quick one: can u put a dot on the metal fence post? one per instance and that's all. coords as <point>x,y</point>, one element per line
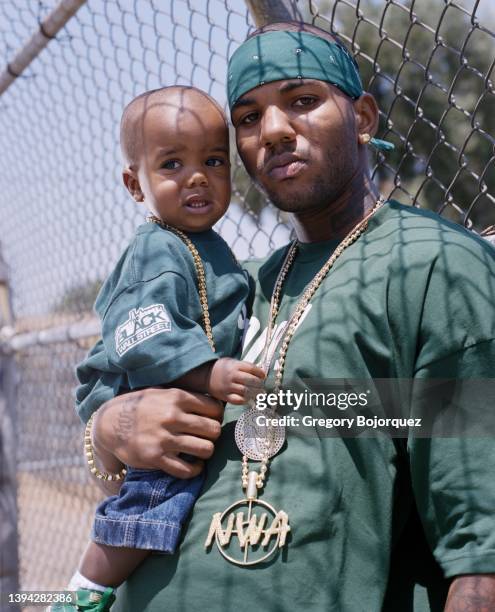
<point>9,556</point>
<point>47,30</point>
<point>271,11</point>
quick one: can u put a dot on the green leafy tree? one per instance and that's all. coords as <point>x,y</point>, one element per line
<point>429,66</point>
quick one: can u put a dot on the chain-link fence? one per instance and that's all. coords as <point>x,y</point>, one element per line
<point>65,216</point>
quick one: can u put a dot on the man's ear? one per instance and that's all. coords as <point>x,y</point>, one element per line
<point>131,182</point>
<point>367,116</point>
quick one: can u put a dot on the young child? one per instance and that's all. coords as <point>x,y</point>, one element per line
<point>157,328</point>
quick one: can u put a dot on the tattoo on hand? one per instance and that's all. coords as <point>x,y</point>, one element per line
<point>127,418</point>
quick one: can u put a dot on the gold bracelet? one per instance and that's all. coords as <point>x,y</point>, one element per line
<point>90,458</point>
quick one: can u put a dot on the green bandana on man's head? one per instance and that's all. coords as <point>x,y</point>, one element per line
<point>282,55</point>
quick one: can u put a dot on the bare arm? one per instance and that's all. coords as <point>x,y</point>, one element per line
<point>473,593</point>
<point>107,461</point>
<point>226,379</point>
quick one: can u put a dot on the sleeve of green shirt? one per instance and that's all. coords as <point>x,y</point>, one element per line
<point>150,331</point>
<point>454,477</point>
<point>453,471</point>
<point>99,382</point>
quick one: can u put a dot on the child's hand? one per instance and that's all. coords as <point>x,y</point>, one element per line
<point>235,381</point>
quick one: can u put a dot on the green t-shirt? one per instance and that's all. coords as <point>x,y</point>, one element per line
<point>152,322</point>
<point>413,297</point>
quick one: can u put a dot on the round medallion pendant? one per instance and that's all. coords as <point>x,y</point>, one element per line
<point>249,531</point>
<point>256,439</point>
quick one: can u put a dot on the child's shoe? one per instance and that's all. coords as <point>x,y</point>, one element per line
<point>88,600</point>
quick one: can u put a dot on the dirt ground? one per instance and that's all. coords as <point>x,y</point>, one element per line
<point>54,524</point>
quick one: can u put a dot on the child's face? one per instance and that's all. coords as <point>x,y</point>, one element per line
<point>184,172</point>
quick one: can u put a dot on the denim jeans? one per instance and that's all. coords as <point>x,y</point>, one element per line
<point>148,512</point>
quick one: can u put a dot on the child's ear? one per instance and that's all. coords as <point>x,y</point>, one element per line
<point>132,185</point>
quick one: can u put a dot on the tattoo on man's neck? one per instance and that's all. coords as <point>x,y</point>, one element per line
<point>351,211</point>
<point>344,218</point>
<point>127,417</point>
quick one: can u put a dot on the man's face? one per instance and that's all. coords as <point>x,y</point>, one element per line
<point>298,141</point>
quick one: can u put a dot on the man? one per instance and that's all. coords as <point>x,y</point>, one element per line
<point>406,295</point>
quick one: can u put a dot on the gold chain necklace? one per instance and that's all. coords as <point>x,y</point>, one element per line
<point>308,293</point>
<point>200,273</point>
<point>262,446</point>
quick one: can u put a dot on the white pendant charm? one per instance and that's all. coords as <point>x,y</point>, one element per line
<point>255,440</point>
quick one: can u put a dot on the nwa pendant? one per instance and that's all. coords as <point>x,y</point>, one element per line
<point>244,537</point>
